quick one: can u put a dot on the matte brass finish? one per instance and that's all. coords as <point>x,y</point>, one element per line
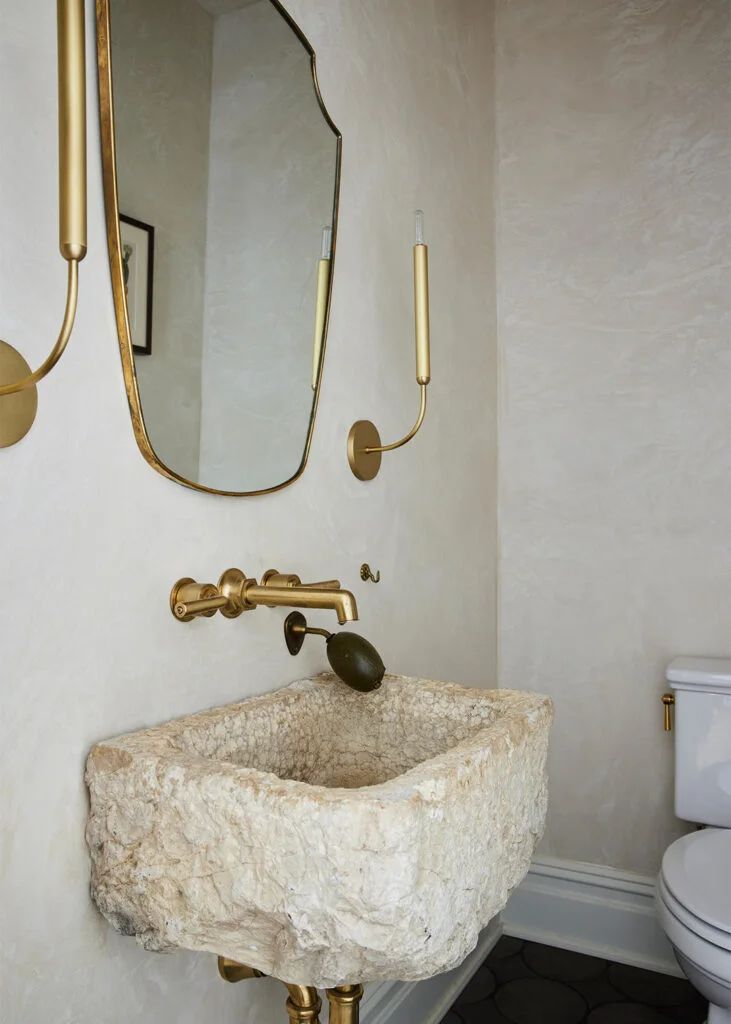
<point>323,291</point>
<point>345,1003</point>
<point>237,593</point>
<point>186,591</point>
<point>366,573</point>
<point>421,313</point>
<point>364,441</point>
<point>111,210</point>
<point>231,970</point>
<point>18,411</point>
<point>72,128</point>
<point>668,700</point>
<point>14,377</point>
<point>303,1002</point>
<point>364,451</point>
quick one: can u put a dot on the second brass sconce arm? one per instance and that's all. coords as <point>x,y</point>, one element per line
<point>364,441</point>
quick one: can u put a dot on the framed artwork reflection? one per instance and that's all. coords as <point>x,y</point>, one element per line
<point>138,259</point>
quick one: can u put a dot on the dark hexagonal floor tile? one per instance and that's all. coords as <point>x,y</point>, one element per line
<point>562,964</point>
<point>539,1001</point>
<point>650,988</point>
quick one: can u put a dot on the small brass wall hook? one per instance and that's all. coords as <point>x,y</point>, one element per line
<point>366,573</point>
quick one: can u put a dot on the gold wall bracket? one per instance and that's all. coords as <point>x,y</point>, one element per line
<point>364,442</point>
<point>303,1002</point>
<point>18,393</point>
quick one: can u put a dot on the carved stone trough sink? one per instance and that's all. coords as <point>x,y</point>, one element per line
<point>322,836</point>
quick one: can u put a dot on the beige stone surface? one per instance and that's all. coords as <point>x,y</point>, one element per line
<point>321,835</point>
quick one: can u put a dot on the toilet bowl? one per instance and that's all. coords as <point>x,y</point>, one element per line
<point>694,908</point>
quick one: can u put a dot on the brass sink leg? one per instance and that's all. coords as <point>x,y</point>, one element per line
<point>303,1004</point>
<point>345,1004</point>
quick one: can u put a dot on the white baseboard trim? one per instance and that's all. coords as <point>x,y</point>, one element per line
<point>425,1002</point>
<point>591,909</point>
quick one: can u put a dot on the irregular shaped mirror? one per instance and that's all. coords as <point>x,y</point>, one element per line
<point>221,172</point>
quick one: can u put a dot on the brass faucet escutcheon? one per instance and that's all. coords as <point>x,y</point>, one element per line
<point>304,1003</point>
<point>236,593</point>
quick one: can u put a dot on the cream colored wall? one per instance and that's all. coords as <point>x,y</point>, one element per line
<point>92,538</point>
<point>615,427</point>
<point>162,65</point>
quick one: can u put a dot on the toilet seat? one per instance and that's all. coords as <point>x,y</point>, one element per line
<point>695,884</point>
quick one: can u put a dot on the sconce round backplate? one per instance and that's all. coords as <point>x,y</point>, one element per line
<point>17,411</point>
<point>363,434</point>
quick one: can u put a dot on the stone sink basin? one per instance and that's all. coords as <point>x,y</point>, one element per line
<point>322,836</point>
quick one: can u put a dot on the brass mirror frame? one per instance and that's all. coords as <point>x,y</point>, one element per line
<point>111,211</point>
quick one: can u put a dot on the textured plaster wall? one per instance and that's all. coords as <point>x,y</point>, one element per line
<point>161,63</point>
<point>272,174</point>
<point>92,538</point>
<point>615,427</point>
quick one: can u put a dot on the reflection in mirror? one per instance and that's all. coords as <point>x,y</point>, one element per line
<point>221,240</point>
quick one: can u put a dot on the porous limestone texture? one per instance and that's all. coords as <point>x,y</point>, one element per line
<point>321,835</point>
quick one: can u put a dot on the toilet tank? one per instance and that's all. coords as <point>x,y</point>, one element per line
<point>702,688</point>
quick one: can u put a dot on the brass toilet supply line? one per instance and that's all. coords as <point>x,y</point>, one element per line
<point>236,593</point>
<point>18,392</point>
<point>303,1003</point>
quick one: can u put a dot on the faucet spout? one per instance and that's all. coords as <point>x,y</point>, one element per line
<point>342,602</point>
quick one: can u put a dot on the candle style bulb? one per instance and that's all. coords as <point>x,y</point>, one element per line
<point>327,242</point>
<point>419,224</point>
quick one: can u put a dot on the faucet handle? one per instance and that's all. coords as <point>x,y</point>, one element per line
<point>189,599</point>
<point>323,585</point>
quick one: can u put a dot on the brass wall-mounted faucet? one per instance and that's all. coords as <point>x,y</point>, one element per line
<point>237,593</point>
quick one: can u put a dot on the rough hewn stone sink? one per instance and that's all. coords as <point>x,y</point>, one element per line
<point>320,835</point>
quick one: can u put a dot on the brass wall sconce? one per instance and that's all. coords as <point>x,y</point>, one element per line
<point>364,441</point>
<point>18,392</point>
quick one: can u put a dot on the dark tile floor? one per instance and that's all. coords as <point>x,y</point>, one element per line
<point>525,983</point>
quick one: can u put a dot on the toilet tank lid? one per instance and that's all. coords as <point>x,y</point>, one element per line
<point>712,674</point>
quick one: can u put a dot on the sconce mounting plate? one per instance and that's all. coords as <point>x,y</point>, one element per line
<point>17,411</point>
<point>364,434</point>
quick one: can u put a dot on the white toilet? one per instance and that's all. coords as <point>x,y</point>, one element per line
<point>694,885</point>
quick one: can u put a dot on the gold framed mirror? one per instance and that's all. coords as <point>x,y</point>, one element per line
<point>221,171</point>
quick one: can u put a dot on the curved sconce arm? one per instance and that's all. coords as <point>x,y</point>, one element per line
<point>18,393</point>
<point>364,441</point>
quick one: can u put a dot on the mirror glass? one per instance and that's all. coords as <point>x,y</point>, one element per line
<point>222,233</point>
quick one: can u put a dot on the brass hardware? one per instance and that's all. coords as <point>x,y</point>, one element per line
<point>296,629</point>
<point>364,441</point>
<point>668,700</point>
<point>366,573</point>
<point>16,417</point>
<point>111,213</point>
<point>237,593</point>
<point>18,411</point>
<point>321,303</point>
<point>345,1003</point>
<point>303,1002</point>
<point>231,970</point>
